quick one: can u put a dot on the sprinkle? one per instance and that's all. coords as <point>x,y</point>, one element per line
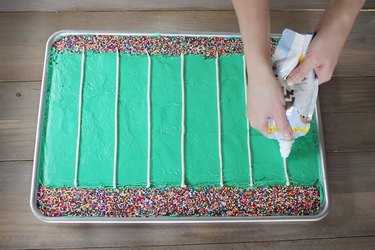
<point>171,201</point>
<point>154,45</point>
<point>178,201</point>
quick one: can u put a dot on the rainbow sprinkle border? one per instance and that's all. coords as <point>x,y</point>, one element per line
<point>154,45</point>
<point>170,201</point>
<point>177,201</point>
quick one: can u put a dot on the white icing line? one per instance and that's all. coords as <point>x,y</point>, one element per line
<point>116,121</point>
<point>148,121</point>
<point>219,118</point>
<point>247,126</point>
<point>79,117</point>
<point>286,172</point>
<point>183,184</point>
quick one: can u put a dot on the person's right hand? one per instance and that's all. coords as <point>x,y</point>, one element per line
<point>266,100</point>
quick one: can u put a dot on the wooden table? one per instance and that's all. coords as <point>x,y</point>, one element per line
<point>348,111</point>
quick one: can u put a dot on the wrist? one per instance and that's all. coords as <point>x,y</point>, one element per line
<point>339,27</point>
<point>256,69</point>
<point>340,15</point>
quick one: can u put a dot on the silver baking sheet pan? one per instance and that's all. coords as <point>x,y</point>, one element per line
<point>324,207</point>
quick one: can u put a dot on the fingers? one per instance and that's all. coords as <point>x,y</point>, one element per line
<point>261,125</point>
<point>301,71</point>
<point>263,128</point>
<point>283,125</point>
<point>324,74</point>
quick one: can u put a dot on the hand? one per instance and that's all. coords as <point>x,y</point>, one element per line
<point>332,31</point>
<point>322,56</point>
<point>266,100</point>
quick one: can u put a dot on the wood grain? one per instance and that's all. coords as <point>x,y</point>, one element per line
<point>118,5</point>
<point>350,215</point>
<point>23,35</point>
<point>363,243</point>
<point>18,115</point>
<point>349,124</point>
<point>349,94</point>
<point>347,105</point>
<point>349,132</point>
<point>351,172</point>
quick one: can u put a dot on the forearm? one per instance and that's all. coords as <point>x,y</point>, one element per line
<point>339,17</point>
<point>331,33</point>
<point>254,22</point>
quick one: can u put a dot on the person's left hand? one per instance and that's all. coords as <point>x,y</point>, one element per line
<point>322,56</point>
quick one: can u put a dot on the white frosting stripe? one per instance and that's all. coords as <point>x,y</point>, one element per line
<point>247,126</point>
<point>286,172</point>
<point>148,120</point>
<point>79,117</point>
<point>219,119</point>
<point>183,184</point>
<point>116,121</point>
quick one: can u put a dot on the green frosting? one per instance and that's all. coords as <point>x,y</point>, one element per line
<point>132,118</point>
<point>165,121</point>
<point>202,154</point>
<point>58,141</point>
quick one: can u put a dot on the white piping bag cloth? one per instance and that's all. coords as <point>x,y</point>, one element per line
<point>300,98</point>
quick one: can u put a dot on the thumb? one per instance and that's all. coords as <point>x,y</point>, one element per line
<point>283,125</point>
<point>301,71</point>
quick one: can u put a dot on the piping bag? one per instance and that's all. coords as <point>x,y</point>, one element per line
<point>300,99</point>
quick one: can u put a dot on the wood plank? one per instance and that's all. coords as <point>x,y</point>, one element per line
<point>350,243</point>
<point>349,132</point>
<point>351,172</point>
<point>118,5</point>
<point>18,115</point>
<point>345,129</point>
<point>23,35</point>
<point>17,140</point>
<point>351,175</point>
<point>353,94</point>
<point>350,215</point>
<point>19,101</point>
